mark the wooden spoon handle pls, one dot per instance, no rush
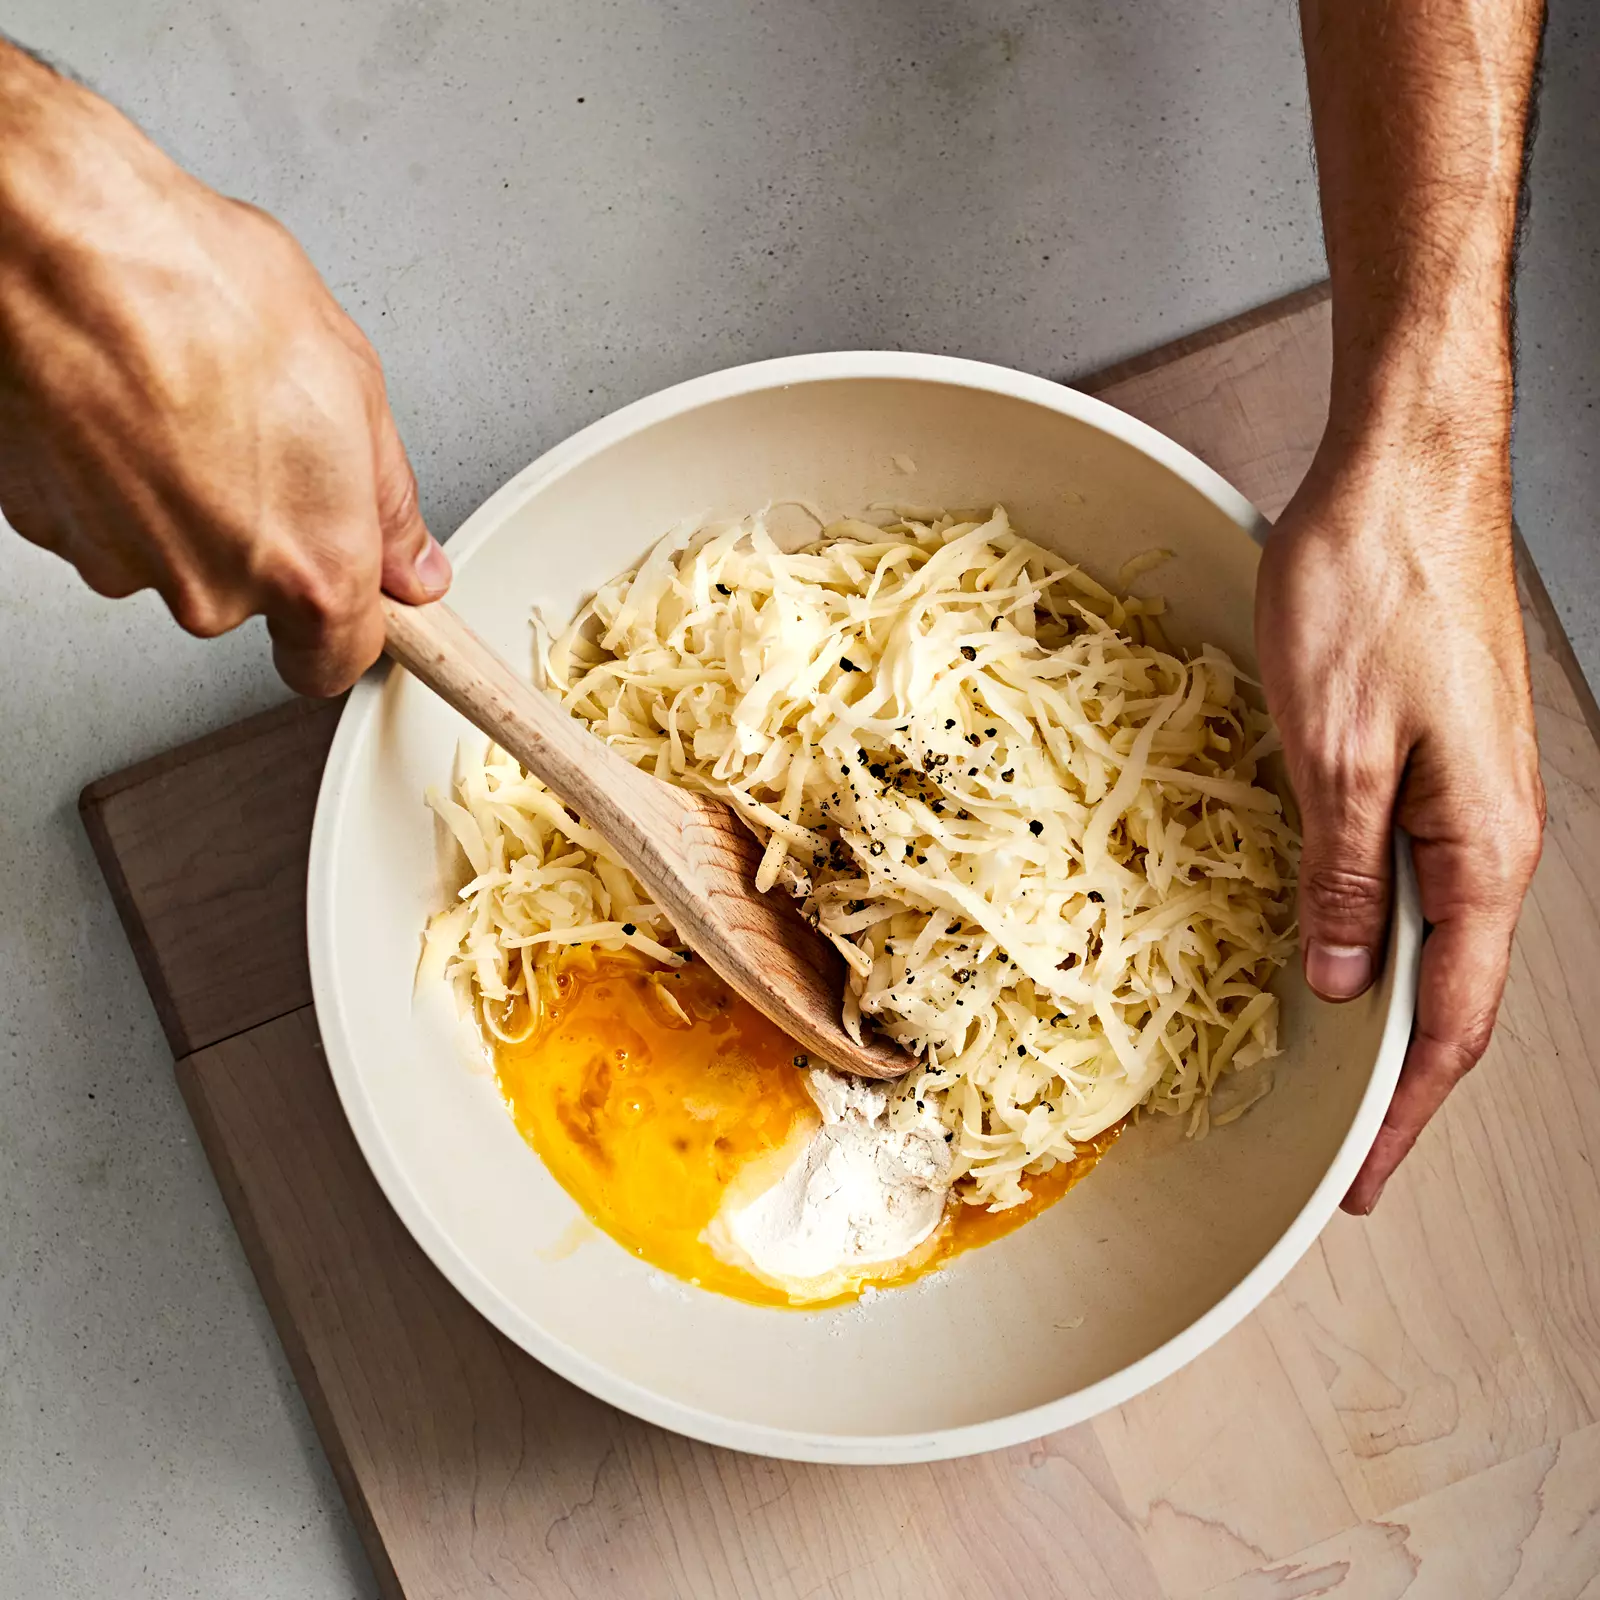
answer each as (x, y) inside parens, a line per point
(693, 856)
(437, 647)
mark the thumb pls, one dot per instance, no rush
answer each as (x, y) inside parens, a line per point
(1345, 865)
(415, 567)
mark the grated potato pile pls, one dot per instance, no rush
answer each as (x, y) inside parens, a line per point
(1036, 833)
(540, 883)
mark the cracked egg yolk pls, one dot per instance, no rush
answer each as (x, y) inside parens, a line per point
(645, 1118)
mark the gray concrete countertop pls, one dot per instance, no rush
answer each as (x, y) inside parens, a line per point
(539, 212)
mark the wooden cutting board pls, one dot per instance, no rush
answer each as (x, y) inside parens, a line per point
(1415, 1412)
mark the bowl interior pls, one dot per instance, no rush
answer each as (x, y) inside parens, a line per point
(1073, 1311)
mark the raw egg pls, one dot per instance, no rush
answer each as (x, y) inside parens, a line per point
(647, 1091)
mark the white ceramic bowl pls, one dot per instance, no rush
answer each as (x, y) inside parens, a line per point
(1166, 1247)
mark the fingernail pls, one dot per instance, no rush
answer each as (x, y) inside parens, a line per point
(1338, 971)
(433, 568)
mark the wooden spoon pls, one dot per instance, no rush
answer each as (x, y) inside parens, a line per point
(695, 857)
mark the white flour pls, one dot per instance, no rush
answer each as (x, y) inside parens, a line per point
(857, 1194)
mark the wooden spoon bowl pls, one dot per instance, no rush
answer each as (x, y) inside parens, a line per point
(692, 853)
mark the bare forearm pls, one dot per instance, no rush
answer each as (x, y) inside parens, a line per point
(1386, 612)
(183, 406)
(69, 162)
(35, 100)
(1420, 108)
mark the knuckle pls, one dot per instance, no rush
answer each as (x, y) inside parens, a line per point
(1524, 848)
(1345, 766)
(323, 595)
(307, 674)
(1525, 835)
(322, 679)
(1343, 893)
(1466, 1047)
(26, 518)
(1508, 852)
(400, 506)
(203, 611)
(327, 665)
(112, 583)
(106, 572)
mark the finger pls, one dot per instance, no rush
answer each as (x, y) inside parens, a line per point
(50, 522)
(1346, 823)
(26, 515)
(325, 662)
(111, 573)
(415, 568)
(327, 626)
(1464, 965)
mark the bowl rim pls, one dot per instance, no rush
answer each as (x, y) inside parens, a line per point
(358, 722)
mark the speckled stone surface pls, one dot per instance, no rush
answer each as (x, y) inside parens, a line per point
(1557, 447)
(541, 211)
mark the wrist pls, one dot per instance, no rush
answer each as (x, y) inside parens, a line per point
(1434, 363)
(1422, 417)
(70, 163)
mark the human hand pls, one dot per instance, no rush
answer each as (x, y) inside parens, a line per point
(1393, 658)
(183, 405)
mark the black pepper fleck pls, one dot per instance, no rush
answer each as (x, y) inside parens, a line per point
(969, 653)
(1036, 827)
(628, 928)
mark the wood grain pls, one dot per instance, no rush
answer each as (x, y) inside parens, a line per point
(1528, 1529)
(474, 1470)
(695, 857)
(1461, 1326)
(1413, 1413)
(204, 850)
(1249, 397)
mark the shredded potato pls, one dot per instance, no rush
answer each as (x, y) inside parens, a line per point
(541, 882)
(1034, 831)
